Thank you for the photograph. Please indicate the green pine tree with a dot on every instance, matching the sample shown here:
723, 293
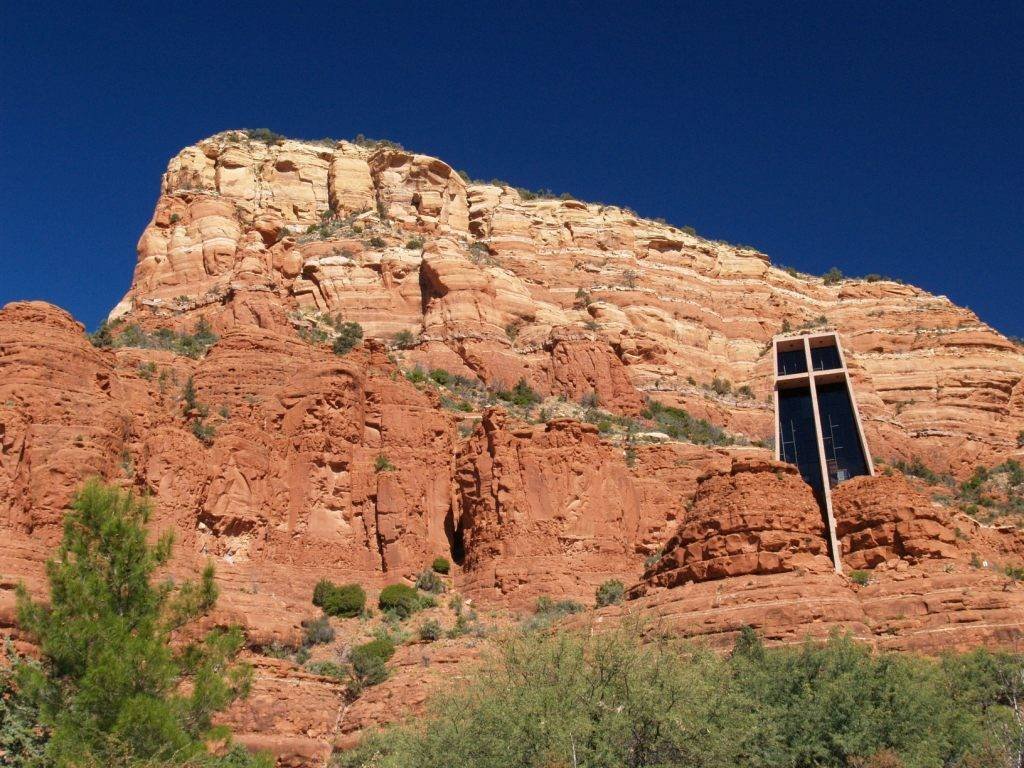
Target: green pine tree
113, 688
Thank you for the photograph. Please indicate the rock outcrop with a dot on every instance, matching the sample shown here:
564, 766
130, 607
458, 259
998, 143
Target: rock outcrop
295, 463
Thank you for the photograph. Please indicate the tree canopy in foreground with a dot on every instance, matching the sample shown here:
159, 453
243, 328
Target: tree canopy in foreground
125, 678
613, 699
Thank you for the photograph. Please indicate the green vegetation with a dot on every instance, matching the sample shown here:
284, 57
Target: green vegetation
196, 413
745, 392
119, 334
265, 135
383, 464
316, 631
346, 600
22, 736
414, 244
610, 593
548, 611
430, 630
327, 669
349, 335
441, 565
860, 577
363, 141
368, 663
400, 599
721, 386
613, 699
832, 277
522, 394
110, 688
404, 340
679, 424
429, 581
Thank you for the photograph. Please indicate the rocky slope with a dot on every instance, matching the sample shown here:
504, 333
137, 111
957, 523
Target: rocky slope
292, 463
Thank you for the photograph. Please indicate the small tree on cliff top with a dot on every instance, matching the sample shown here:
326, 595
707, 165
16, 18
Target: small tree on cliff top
111, 689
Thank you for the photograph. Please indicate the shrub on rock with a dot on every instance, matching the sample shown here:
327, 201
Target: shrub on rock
368, 661
346, 600
610, 593
400, 599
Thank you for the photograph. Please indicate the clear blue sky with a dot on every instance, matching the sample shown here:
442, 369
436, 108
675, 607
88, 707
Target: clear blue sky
881, 137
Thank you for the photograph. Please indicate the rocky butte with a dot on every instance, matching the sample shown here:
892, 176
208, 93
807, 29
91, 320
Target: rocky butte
548, 392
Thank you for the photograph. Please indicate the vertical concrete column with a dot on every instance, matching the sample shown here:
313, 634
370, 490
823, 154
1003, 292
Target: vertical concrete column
826, 488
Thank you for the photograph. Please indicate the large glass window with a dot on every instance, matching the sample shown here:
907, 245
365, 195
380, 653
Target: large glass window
792, 361
844, 457
797, 441
825, 358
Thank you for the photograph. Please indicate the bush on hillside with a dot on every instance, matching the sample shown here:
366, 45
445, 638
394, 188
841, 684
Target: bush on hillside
623, 698
368, 662
400, 599
610, 593
345, 601
441, 565
429, 581
349, 335
316, 631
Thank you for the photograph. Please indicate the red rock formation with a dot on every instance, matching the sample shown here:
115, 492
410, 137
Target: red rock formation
881, 518
758, 517
338, 466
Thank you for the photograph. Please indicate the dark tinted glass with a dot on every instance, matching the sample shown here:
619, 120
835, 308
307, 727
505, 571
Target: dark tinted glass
792, 362
797, 441
844, 457
825, 358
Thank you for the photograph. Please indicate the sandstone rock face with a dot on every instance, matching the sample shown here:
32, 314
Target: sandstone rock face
759, 517
881, 518
928, 588
573, 297
323, 465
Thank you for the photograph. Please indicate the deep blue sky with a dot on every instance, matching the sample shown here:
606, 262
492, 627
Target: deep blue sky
874, 137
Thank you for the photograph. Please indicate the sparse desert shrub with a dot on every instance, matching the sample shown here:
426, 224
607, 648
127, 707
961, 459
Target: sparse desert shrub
414, 244
610, 593
440, 376
404, 340
327, 669
545, 605
377, 242
400, 599
368, 661
832, 277
345, 601
860, 577
430, 630
680, 425
265, 135
441, 565
522, 394
317, 631
721, 386
429, 581
383, 464
745, 392
349, 335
